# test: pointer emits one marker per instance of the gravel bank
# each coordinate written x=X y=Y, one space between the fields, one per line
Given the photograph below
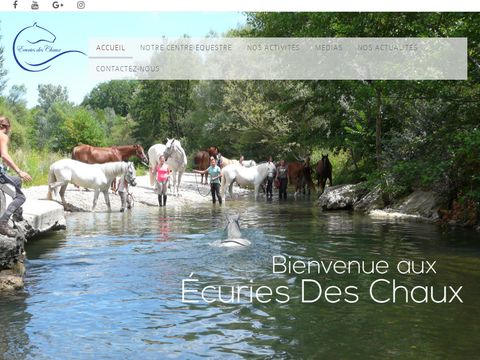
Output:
x=191 y=192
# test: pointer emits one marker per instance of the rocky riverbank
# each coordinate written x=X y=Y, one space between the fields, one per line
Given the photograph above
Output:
x=38 y=217
x=419 y=205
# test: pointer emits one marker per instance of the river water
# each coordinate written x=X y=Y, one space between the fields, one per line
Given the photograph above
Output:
x=111 y=287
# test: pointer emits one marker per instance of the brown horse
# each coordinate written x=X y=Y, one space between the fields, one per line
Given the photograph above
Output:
x=324 y=172
x=100 y=155
x=213 y=151
x=300 y=175
x=201 y=161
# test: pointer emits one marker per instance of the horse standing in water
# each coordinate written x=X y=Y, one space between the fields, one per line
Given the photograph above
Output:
x=244 y=176
x=100 y=155
x=324 y=172
x=201 y=162
x=175 y=158
x=300 y=175
x=93 y=176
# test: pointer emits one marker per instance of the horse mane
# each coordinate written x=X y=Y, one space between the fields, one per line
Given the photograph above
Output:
x=113 y=168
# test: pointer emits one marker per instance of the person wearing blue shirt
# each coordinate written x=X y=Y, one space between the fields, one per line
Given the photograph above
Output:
x=215 y=174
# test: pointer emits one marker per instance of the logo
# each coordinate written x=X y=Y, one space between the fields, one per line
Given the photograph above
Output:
x=56 y=5
x=34 y=49
x=15 y=3
x=34 y=5
x=80 y=5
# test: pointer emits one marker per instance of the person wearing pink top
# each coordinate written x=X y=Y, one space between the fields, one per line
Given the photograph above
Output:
x=161 y=177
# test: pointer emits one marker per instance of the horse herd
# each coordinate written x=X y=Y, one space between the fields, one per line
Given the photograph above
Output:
x=299 y=172
x=97 y=168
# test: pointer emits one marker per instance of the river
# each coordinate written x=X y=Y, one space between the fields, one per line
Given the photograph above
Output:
x=110 y=287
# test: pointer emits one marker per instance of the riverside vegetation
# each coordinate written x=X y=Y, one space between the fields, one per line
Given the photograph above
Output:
x=400 y=136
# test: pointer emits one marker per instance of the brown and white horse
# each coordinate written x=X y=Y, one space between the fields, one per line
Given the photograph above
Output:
x=100 y=155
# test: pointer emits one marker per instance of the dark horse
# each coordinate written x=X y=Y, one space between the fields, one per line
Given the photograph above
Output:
x=300 y=175
x=201 y=161
x=213 y=151
x=100 y=155
x=324 y=172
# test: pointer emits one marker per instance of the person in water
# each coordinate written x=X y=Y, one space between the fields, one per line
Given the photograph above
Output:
x=282 y=177
x=215 y=175
x=162 y=173
x=18 y=198
x=122 y=188
x=270 y=177
x=240 y=161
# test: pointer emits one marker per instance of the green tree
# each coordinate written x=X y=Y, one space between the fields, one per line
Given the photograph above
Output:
x=48 y=94
x=115 y=94
x=81 y=126
x=158 y=109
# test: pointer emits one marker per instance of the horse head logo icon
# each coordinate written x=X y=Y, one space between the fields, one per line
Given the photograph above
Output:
x=34 y=50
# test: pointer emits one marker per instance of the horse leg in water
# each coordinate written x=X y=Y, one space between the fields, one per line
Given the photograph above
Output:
x=171 y=182
x=257 y=189
x=180 y=174
x=107 y=200
x=95 y=198
x=230 y=188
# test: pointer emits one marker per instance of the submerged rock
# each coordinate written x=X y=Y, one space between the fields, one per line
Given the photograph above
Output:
x=342 y=197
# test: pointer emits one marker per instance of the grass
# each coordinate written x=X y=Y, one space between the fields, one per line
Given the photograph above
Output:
x=36 y=163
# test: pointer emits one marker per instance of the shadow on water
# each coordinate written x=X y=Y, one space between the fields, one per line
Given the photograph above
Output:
x=113 y=283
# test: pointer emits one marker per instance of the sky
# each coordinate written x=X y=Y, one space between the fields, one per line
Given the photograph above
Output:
x=73 y=31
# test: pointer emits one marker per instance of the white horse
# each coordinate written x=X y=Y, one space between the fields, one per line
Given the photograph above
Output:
x=244 y=176
x=177 y=161
x=234 y=235
x=153 y=155
x=93 y=176
x=175 y=158
x=249 y=163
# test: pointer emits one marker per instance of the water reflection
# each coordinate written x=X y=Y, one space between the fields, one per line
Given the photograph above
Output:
x=113 y=283
x=14 y=317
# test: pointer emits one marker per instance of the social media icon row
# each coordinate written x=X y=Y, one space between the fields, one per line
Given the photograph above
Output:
x=55 y=4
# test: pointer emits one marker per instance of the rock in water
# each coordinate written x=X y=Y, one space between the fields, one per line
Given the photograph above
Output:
x=341 y=197
x=11 y=262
